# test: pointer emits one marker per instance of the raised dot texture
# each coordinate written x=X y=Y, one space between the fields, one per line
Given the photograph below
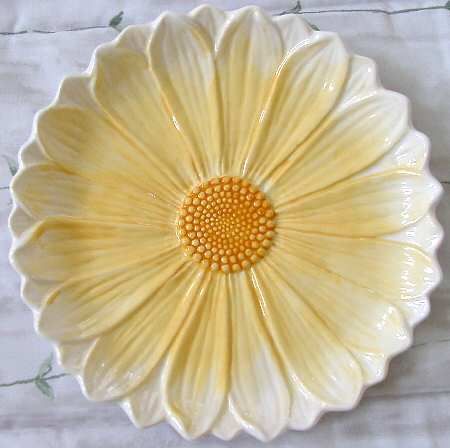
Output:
x=231 y=231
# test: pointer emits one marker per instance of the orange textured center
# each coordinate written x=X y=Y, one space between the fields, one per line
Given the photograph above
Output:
x=226 y=224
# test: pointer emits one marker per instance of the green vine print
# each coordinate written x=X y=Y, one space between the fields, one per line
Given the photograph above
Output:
x=41 y=379
x=297 y=9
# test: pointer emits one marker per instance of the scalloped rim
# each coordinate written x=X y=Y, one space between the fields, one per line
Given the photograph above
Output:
x=123 y=402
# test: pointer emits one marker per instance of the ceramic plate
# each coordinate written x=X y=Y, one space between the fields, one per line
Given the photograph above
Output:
x=226 y=223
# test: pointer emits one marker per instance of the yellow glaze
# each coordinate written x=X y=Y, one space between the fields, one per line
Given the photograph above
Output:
x=227 y=222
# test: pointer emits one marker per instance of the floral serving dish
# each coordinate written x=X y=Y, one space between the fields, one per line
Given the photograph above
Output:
x=227 y=223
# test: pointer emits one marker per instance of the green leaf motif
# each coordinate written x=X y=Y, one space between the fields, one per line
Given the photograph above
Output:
x=45 y=367
x=116 y=20
x=314 y=27
x=45 y=388
x=295 y=10
x=297 y=7
x=12 y=165
x=447 y=5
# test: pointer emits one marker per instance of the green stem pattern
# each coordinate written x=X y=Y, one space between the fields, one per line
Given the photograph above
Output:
x=32 y=380
x=297 y=10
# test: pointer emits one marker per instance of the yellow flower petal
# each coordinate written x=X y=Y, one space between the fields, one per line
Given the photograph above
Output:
x=361 y=82
x=20 y=221
x=259 y=397
x=426 y=234
x=144 y=405
x=82 y=269
x=364 y=206
x=74 y=92
x=210 y=19
x=396 y=272
x=410 y=153
x=60 y=249
x=349 y=140
x=44 y=190
x=73 y=354
x=226 y=426
x=128 y=92
x=369 y=326
x=293 y=29
x=313 y=357
x=134 y=38
x=85 y=307
x=34 y=291
x=307 y=85
x=181 y=56
x=306 y=408
x=85 y=143
x=248 y=54
x=125 y=357
x=33 y=153
x=196 y=376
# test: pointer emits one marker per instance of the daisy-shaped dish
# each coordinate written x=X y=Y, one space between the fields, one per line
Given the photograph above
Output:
x=227 y=223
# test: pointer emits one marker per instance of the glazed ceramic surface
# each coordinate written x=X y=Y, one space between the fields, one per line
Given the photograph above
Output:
x=227 y=223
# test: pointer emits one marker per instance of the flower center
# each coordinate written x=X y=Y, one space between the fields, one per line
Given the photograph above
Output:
x=226 y=224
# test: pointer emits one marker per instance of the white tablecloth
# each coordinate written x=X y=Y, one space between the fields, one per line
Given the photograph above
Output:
x=410 y=409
